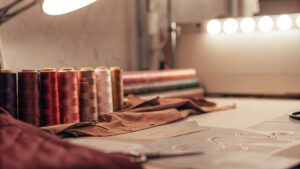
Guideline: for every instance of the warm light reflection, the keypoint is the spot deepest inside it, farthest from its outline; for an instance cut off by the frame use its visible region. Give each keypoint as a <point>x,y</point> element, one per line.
<point>213,27</point>
<point>284,22</point>
<point>265,23</point>
<point>59,7</point>
<point>298,21</point>
<point>230,26</point>
<point>247,25</point>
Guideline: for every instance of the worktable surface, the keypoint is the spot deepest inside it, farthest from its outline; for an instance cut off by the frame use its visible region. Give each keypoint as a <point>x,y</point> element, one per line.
<point>248,112</point>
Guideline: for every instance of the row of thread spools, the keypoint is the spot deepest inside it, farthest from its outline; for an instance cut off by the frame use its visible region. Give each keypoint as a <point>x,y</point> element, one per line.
<point>49,97</point>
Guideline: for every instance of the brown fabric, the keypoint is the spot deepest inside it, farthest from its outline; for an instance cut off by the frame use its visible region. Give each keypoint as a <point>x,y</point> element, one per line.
<point>138,115</point>
<point>25,146</point>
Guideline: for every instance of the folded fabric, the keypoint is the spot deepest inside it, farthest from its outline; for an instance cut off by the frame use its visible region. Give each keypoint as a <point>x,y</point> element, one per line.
<point>27,147</point>
<point>139,114</point>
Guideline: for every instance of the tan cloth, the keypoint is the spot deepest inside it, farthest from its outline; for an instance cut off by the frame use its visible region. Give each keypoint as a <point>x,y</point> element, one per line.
<point>139,114</point>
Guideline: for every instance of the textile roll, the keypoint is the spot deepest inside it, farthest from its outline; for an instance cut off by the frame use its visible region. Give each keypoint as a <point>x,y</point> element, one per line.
<point>185,93</point>
<point>29,105</point>
<point>87,95</point>
<point>104,90</point>
<point>143,88</point>
<point>157,75</point>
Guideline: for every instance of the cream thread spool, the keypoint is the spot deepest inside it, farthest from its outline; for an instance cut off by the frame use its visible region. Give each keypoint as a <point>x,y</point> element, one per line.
<point>104,90</point>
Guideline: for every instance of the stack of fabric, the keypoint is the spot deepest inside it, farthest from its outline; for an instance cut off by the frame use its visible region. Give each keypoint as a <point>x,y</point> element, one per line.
<point>169,83</point>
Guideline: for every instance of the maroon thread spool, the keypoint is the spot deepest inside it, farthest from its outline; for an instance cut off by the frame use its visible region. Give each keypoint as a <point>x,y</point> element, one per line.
<point>68,95</point>
<point>8,91</point>
<point>28,88</point>
<point>49,97</point>
<point>87,95</point>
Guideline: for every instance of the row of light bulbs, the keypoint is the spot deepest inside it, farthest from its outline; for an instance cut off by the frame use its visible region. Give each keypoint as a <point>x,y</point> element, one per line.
<point>248,24</point>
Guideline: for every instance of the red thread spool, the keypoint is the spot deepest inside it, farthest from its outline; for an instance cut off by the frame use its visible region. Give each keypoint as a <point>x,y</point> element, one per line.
<point>68,95</point>
<point>49,97</point>
<point>29,108</point>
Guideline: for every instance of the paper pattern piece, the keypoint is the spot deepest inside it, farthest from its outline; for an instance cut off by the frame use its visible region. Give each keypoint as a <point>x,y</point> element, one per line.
<point>105,145</point>
<point>283,127</point>
<point>222,139</point>
<point>227,160</point>
<point>164,131</point>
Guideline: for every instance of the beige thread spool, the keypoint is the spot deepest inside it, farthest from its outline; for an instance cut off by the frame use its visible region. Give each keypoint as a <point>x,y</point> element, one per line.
<point>117,87</point>
<point>87,95</point>
<point>104,90</point>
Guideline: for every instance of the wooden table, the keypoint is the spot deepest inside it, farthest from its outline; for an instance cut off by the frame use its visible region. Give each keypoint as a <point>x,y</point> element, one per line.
<point>248,112</point>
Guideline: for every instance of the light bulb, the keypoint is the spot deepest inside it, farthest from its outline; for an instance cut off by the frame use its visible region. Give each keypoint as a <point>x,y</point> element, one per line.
<point>230,26</point>
<point>298,21</point>
<point>59,7</point>
<point>213,27</point>
<point>265,23</point>
<point>284,22</point>
<point>247,25</point>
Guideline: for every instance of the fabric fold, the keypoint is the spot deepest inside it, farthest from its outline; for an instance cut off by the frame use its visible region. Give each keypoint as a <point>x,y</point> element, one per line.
<point>25,146</point>
<point>139,114</point>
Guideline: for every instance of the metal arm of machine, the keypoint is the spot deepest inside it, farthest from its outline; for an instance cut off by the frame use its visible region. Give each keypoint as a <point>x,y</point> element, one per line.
<point>14,8</point>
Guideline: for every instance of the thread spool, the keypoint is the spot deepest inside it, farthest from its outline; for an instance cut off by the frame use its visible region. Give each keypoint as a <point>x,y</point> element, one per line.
<point>68,95</point>
<point>8,91</point>
<point>87,95</point>
<point>117,87</point>
<point>29,108</point>
<point>49,97</point>
<point>104,90</point>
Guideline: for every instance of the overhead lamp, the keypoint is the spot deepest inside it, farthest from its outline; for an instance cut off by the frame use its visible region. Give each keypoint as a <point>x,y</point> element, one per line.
<point>284,22</point>
<point>265,23</point>
<point>213,27</point>
<point>247,25</point>
<point>298,21</point>
<point>230,26</point>
<point>59,7</point>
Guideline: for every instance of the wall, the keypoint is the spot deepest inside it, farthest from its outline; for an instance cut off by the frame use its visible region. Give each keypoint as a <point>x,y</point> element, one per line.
<point>196,10</point>
<point>256,63</point>
<point>103,33</point>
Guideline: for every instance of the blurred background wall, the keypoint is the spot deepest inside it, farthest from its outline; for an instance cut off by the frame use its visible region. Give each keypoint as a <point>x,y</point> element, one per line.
<point>256,63</point>
<point>135,34</point>
<point>102,34</point>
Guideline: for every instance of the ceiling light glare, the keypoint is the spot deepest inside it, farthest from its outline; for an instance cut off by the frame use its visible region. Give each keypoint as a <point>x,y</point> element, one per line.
<point>284,22</point>
<point>265,23</point>
<point>230,26</point>
<point>213,27</point>
<point>298,21</point>
<point>247,25</point>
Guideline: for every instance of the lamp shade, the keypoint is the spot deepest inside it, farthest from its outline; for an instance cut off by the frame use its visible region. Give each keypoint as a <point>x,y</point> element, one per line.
<point>59,7</point>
